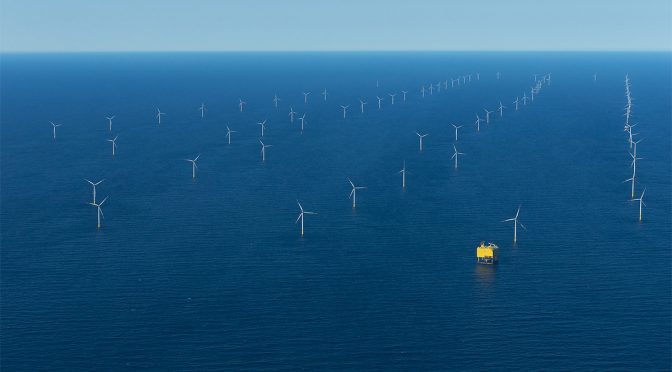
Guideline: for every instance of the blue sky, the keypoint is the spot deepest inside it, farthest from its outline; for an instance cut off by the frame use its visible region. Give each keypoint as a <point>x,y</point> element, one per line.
<point>253,25</point>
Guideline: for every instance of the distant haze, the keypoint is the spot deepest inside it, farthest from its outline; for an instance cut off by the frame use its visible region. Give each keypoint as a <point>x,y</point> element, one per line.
<point>264,25</point>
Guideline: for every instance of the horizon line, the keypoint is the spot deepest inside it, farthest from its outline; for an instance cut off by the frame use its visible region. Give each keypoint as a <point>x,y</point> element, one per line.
<point>339,51</point>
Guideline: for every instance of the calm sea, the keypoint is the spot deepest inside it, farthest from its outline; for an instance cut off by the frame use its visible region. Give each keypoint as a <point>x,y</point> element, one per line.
<point>212,274</point>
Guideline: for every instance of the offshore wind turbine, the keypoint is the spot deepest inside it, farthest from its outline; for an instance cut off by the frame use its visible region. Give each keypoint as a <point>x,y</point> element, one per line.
<point>241,103</point>
<point>516,102</point>
<point>403,176</point>
<point>525,99</point>
<point>202,110</point>
<point>421,136</point>
<point>263,150</point>
<point>456,128</point>
<point>404,93</point>
<point>291,114</point>
<point>54,126</point>
<point>380,100</point>
<point>455,155</point>
<point>158,115</point>
<point>392,95</point>
<point>501,109</point>
<point>109,119</point>
<point>431,89</point>
<point>478,123</point>
<point>345,108</point>
<point>305,97</point>
<point>193,165</point>
<point>325,93</point>
<point>641,202</point>
<point>94,184</point>
<point>228,133</point>
<point>99,210</point>
<point>634,174</point>
<point>353,193</point>
<point>263,126</point>
<point>301,216</point>
<point>114,144</point>
<point>276,100</point>
<point>303,121</point>
<point>361,104</point>
<point>515,225</point>
<point>487,115</point>
<point>422,91</point>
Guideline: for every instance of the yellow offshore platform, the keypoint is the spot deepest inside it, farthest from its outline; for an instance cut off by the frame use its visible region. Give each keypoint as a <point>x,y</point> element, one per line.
<point>487,254</point>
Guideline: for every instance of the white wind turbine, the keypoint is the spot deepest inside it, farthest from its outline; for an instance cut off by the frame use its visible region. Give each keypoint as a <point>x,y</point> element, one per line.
<point>303,121</point>
<point>516,102</point>
<point>501,109</point>
<point>301,216</point>
<point>345,108</point>
<point>263,150</point>
<point>361,105</point>
<point>380,101</point>
<point>456,128</point>
<point>305,97</point>
<point>487,116</point>
<point>404,93</point>
<point>353,193</point>
<point>193,165</point>
<point>114,144</point>
<point>109,119</point>
<point>515,225</point>
<point>99,210</point>
<point>291,114</point>
<point>478,123</point>
<point>159,114</point>
<point>392,95</point>
<point>422,91</point>
<point>276,100</point>
<point>641,202</point>
<point>241,103</point>
<point>94,184</point>
<point>228,133</point>
<point>403,176</point>
<point>263,126</point>
<point>202,109</point>
<point>421,136</point>
<point>455,155</point>
<point>525,99</point>
<point>634,174</point>
<point>54,126</point>
<point>325,93</point>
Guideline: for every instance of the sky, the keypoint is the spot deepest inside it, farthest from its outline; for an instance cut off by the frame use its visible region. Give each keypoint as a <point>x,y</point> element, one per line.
<point>334,25</point>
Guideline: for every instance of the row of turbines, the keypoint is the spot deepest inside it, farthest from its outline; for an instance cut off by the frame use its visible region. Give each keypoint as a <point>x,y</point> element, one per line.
<point>431,88</point>
<point>632,143</point>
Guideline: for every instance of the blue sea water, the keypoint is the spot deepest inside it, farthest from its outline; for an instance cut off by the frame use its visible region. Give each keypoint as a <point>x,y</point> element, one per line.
<point>212,274</point>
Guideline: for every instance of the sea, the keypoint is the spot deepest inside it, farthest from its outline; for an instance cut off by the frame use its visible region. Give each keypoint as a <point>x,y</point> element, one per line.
<point>211,273</point>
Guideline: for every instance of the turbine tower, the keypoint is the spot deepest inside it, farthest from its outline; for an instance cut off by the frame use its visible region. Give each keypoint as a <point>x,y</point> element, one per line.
<point>301,216</point>
<point>353,193</point>
<point>515,225</point>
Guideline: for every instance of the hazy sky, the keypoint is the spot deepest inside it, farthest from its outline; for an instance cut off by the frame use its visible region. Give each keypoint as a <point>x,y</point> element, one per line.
<point>209,25</point>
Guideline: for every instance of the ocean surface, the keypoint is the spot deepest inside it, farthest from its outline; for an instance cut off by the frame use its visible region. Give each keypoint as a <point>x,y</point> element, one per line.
<point>212,273</point>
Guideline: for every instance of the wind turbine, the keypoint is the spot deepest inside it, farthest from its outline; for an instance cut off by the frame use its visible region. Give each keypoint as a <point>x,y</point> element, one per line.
<point>515,225</point>
<point>421,136</point>
<point>501,109</point>
<point>202,110</point>
<point>94,184</point>
<point>263,126</point>
<point>305,97</point>
<point>487,115</point>
<point>263,150</point>
<point>478,123</point>
<point>228,133</point>
<point>291,114</point>
<point>361,104</point>
<point>525,99</point>
<point>303,121</point>
<point>301,216</point>
<point>241,103</point>
<point>380,100</point>
<point>403,176</point>
<point>353,193</point>
<point>54,127</point>
<point>516,102</point>
<point>158,114</point>
<point>276,100</point>
<point>114,144</point>
<point>404,93</point>
<point>392,95</point>
<point>100,210</point>
<point>634,174</point>
<point>431,89</point>
<point>325,93</point>
<point>345,108</point>
<point>641,202</point>
<point>109,119</point>
<point>422,91</point>
<point>456,128</point>
<point>455,155</point>
<point>193,165</point>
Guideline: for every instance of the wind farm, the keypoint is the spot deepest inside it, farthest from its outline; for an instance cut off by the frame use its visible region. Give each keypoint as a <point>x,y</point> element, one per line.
<point>354,209</point>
